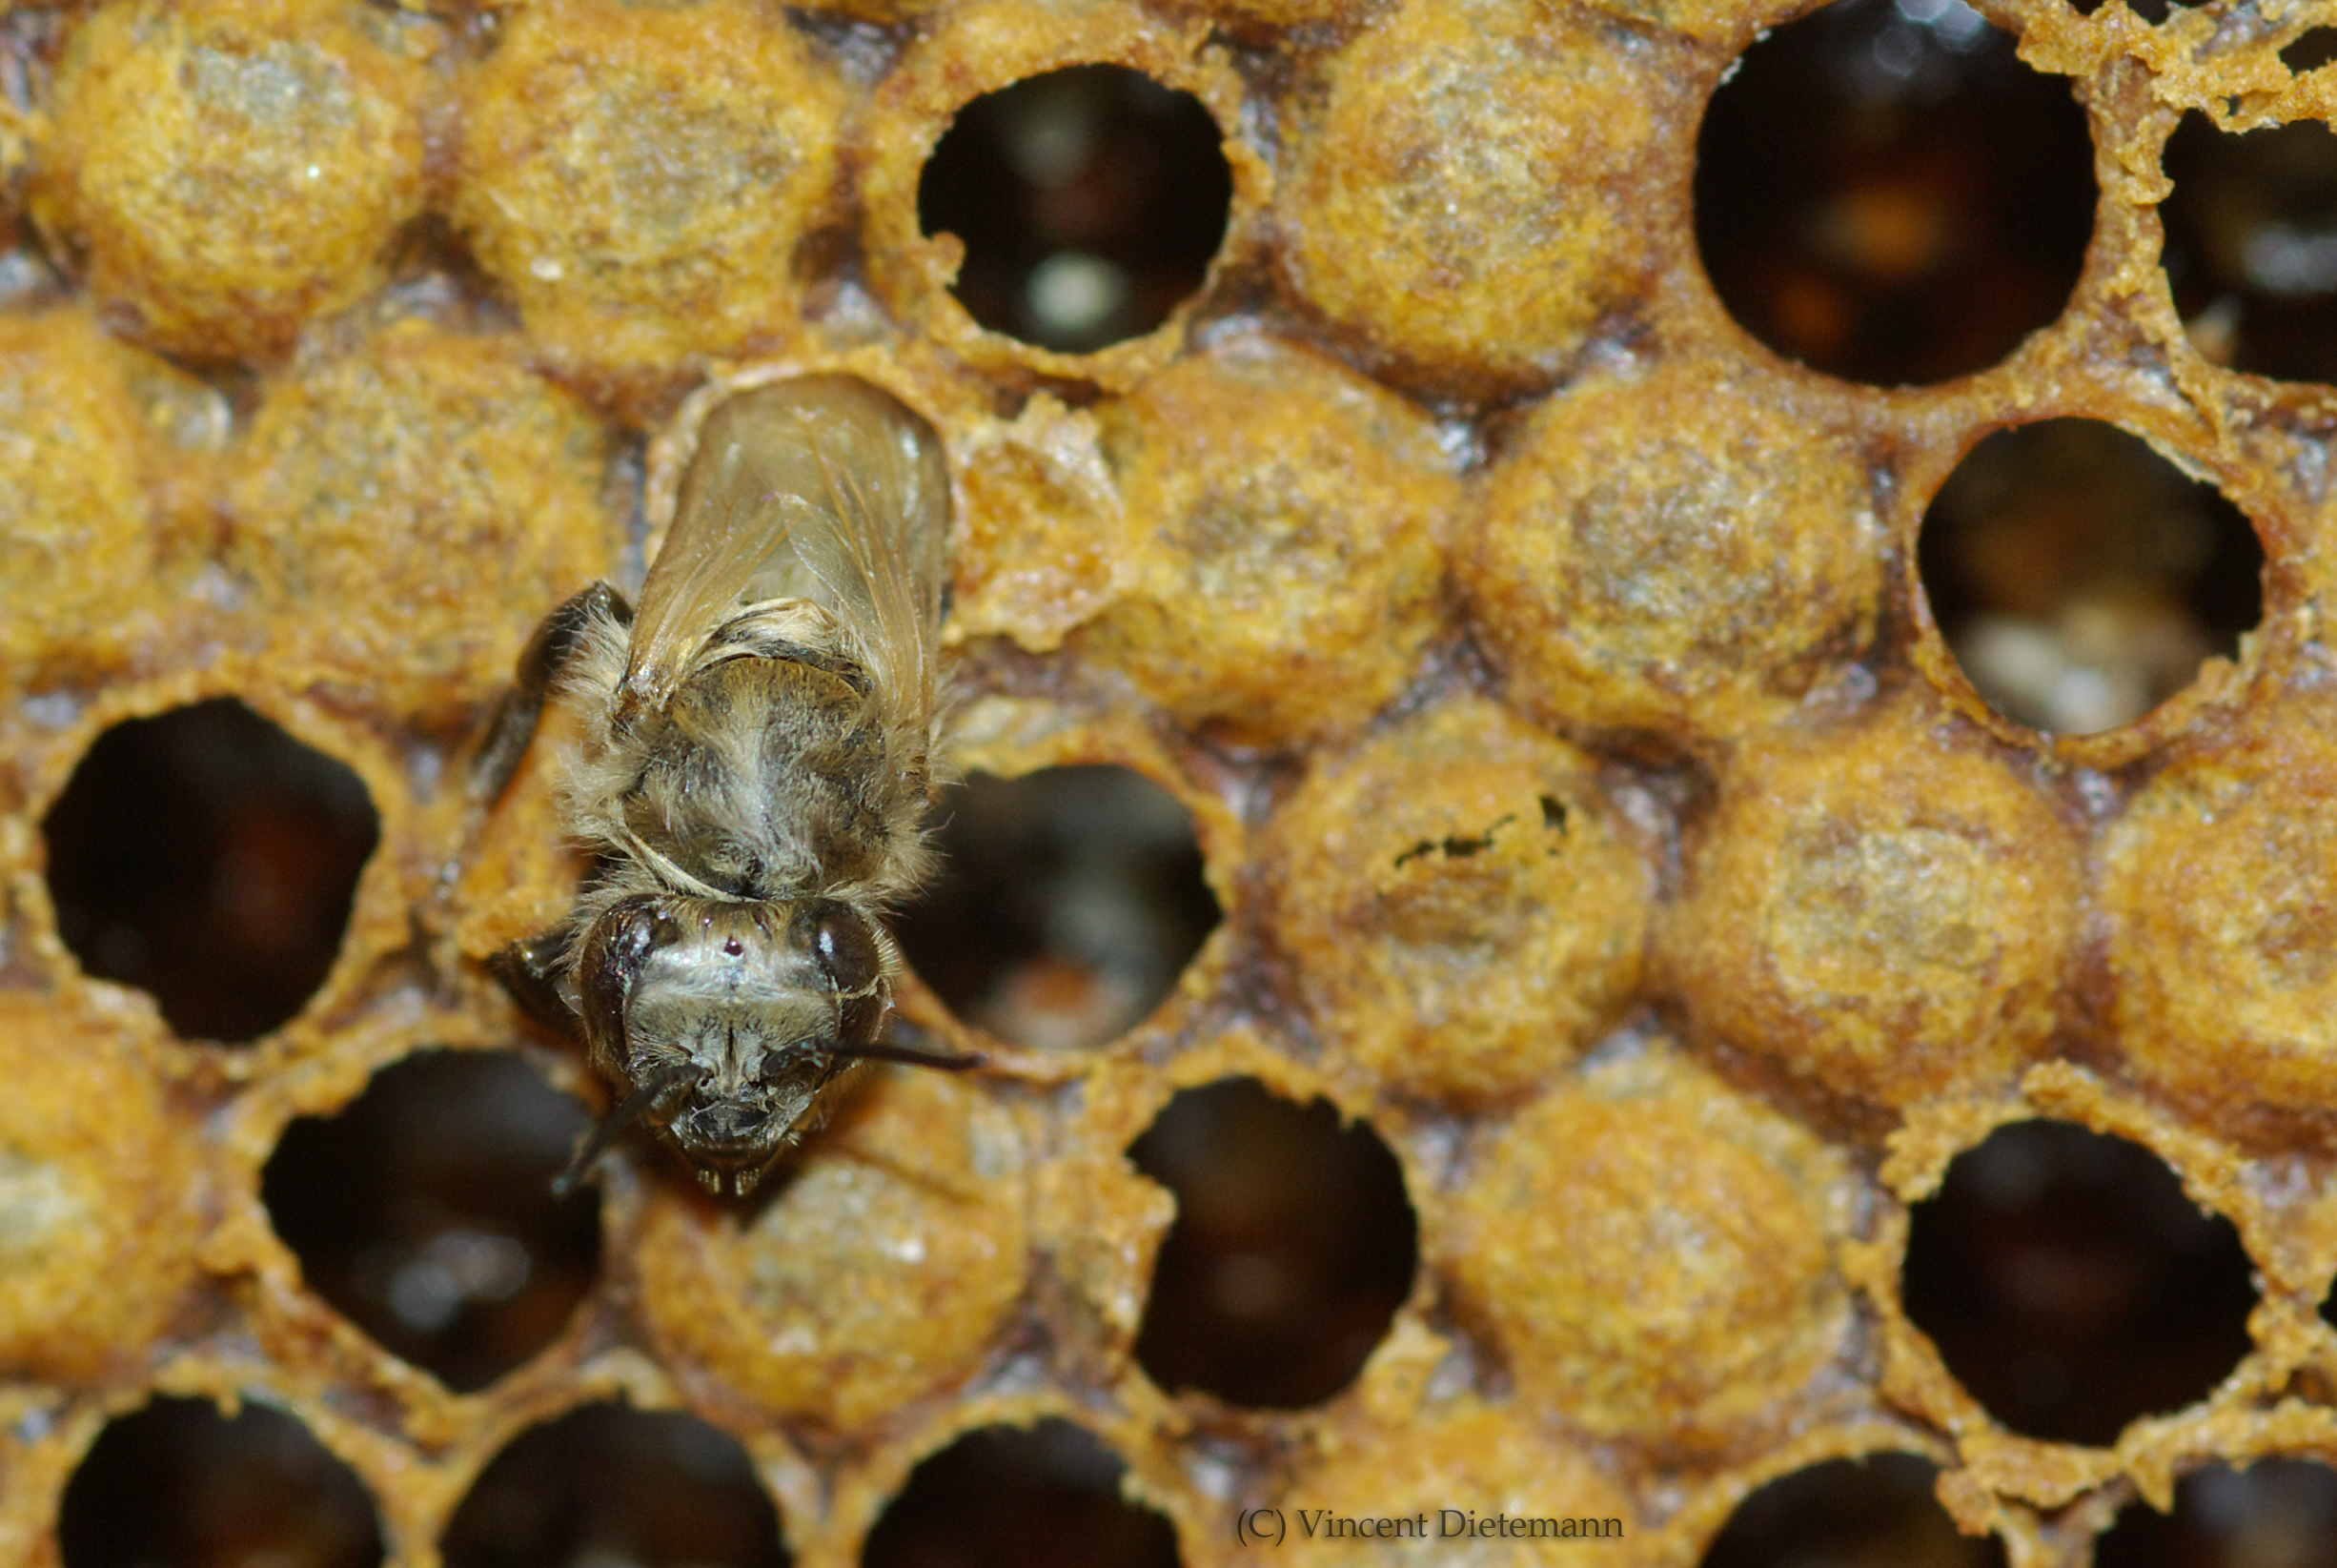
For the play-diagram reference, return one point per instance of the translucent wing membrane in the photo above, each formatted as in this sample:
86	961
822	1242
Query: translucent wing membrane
821	489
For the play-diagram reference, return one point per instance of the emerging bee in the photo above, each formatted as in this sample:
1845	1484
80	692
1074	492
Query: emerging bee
757	763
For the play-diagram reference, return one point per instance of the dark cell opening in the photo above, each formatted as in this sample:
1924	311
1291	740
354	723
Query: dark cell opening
611	1485
1068	903
423	1211
2153	11
209	858
2080	579
2251	245
1883	191
1293	1245
2275	1513
29	280
180	1483
1878	1511
1006	1498
2311	50
2071	1286
1090	201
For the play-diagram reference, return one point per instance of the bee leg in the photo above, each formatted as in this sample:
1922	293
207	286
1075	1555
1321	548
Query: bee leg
502	743
529	969
511	724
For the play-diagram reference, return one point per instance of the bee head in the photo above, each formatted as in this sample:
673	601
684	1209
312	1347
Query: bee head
730	1019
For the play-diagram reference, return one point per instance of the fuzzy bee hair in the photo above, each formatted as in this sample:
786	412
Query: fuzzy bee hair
759	754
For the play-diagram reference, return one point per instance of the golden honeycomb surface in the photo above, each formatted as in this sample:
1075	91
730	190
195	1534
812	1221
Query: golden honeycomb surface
1597	810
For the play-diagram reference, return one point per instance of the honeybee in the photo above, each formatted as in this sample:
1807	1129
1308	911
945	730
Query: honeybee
757	759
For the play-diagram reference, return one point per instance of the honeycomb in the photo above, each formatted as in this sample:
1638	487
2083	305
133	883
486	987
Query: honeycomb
1621	869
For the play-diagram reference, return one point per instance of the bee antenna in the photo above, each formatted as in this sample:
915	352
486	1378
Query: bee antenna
945	1061
612	1126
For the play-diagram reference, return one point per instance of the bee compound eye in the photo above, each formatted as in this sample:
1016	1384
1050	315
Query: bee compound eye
777	1060
644	930
847	948
861	1019
615	948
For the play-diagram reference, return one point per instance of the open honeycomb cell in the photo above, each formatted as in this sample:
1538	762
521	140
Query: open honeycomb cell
1116	203
2045	1199
973	1502
1888	193
1294	1242
183	1481
1582	796
207	858
2276	1507
1877	1508
423	1212
1068	903
968	52
2239	251
607	1482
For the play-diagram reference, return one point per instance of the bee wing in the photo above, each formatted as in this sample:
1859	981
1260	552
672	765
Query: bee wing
820	488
